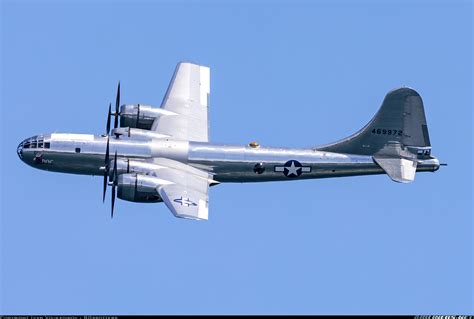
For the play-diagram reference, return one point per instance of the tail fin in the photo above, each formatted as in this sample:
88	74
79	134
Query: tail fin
400	119
397	133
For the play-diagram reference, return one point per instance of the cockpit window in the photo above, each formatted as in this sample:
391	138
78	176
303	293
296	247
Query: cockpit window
35	142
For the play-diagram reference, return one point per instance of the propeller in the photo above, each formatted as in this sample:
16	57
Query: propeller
113	178
116	114
107	130
114	184
117	105
106	171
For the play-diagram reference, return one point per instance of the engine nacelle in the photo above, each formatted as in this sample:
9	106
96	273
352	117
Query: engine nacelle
137	133
133	167
138	188
140	115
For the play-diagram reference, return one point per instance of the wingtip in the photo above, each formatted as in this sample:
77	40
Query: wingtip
192	63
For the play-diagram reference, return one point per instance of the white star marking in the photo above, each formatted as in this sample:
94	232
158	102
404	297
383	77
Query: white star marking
292	170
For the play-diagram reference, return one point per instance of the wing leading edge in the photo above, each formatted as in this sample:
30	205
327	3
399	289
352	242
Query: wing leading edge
187	98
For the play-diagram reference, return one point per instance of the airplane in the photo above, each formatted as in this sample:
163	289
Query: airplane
164	154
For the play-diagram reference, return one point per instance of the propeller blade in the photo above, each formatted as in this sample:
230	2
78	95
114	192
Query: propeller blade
113	202
106	172
108	119
105	185
107	155
115	167
114	184
117	105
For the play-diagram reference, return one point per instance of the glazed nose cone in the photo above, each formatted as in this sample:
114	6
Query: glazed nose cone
19	150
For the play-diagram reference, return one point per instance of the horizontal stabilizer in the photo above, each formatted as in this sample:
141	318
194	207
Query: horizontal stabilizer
398	169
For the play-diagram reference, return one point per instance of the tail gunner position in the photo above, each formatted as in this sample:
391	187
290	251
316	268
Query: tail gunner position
164	154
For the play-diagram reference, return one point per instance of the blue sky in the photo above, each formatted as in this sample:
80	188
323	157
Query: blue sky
293	74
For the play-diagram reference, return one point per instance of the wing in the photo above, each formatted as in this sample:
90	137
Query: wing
187	194
187	98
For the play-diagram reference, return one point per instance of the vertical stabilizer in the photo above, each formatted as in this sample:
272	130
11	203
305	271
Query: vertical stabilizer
400	119
396	137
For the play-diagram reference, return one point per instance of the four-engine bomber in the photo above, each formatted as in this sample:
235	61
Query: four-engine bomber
164	154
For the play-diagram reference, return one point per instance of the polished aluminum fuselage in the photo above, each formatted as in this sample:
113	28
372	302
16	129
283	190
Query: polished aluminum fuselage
85	154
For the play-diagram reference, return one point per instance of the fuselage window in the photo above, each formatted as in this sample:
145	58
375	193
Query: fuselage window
33	145
46	144
78	149
40	144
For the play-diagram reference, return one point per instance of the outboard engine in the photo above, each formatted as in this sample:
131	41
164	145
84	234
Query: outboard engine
140	115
